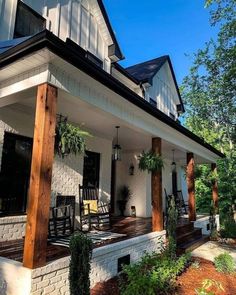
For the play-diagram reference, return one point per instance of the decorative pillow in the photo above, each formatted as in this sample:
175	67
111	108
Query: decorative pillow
93	206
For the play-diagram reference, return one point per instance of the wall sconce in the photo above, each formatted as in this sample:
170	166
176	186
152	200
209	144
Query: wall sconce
131	169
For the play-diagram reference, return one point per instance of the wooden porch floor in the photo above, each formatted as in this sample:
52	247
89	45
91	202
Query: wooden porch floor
130	226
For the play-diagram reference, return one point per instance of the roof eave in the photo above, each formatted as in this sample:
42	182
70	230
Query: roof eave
70	54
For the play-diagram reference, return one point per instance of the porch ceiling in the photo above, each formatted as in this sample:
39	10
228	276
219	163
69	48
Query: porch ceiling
94	120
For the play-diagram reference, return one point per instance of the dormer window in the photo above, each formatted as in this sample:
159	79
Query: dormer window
28	22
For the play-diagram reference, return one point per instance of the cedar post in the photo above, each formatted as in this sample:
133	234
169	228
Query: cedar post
215	195
40	178
157	212
191	186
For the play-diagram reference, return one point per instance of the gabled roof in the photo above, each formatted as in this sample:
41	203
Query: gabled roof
145	71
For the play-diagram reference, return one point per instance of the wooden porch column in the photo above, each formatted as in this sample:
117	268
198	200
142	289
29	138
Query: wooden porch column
215	195
191	187
40	178
157	212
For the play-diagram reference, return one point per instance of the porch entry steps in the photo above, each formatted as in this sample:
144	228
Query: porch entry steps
189	238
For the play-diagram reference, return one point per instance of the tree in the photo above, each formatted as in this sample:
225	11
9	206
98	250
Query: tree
209	92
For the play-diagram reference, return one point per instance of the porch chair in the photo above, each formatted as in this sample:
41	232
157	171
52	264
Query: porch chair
60	222
93	212
183	206
63	200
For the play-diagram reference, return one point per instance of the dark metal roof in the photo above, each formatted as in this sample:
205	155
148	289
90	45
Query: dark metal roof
5	45
75	55
145	71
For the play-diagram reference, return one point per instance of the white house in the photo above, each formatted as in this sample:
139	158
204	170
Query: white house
61	57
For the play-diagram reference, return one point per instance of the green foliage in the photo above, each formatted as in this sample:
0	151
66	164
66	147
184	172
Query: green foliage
209	92
171	227
195	265
81	253
151	162
224	263
125	193
228	228
209	284
154	274
69	139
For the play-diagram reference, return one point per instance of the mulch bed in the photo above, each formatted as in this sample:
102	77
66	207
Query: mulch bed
191	279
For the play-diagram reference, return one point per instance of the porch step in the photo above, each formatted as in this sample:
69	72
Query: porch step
189	236
190	246
184	228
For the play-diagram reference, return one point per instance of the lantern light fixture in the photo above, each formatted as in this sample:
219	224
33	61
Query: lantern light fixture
117	147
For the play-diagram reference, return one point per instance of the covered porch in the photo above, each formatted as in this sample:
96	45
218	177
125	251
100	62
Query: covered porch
28	109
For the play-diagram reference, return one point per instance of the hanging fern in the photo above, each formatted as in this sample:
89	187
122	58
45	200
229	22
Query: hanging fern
150	161
69	139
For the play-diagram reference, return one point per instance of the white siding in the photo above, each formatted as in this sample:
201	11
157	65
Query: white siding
163	91
66	19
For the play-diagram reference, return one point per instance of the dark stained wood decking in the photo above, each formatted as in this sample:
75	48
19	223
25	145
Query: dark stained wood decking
130	226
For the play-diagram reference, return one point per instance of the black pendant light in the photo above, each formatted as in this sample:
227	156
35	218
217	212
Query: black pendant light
117	147
173	164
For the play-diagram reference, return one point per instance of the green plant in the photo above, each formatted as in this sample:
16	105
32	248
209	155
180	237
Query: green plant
69	139
172	219
195	264
209	284
228	228
150	161
81	253
125	195
224	263
154	274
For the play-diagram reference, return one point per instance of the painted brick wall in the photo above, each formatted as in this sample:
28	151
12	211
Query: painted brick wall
12	228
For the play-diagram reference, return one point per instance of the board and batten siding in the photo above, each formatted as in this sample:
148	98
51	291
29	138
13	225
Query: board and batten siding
72	19
163	91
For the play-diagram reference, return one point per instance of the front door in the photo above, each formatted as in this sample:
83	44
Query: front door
91	169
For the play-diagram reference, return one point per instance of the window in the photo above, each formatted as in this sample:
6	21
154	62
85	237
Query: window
15	173
28	22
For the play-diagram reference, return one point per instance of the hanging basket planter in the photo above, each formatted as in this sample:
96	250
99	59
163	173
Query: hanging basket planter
150	161
69	139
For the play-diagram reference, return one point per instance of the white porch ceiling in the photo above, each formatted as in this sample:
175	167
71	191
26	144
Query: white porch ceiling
97	122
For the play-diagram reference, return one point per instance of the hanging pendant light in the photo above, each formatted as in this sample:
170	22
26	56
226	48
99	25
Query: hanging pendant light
117	147
173	164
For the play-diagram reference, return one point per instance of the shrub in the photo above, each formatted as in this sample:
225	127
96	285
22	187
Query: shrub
81	253
154	274
228	228
224	263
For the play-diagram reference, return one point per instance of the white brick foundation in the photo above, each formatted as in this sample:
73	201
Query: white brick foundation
53	278
12	228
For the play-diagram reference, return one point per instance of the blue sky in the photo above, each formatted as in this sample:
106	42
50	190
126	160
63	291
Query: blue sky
151	28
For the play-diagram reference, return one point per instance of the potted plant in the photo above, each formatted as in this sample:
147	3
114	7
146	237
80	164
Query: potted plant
150	161
69	139
125	195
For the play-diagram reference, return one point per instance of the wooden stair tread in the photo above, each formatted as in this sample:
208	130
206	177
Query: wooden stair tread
191	245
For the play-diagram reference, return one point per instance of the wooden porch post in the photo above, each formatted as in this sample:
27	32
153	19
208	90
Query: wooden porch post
40	178
191	186
157	212
215	195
